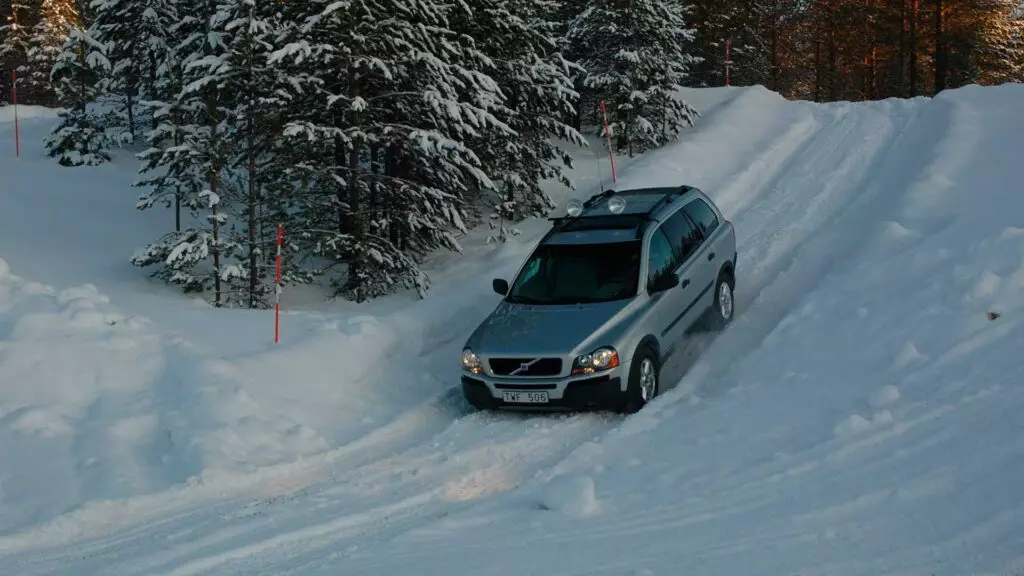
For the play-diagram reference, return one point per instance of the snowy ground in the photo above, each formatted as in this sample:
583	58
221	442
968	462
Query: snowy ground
862	416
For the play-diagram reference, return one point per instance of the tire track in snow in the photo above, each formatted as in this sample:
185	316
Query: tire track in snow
744	490
833	133
782	257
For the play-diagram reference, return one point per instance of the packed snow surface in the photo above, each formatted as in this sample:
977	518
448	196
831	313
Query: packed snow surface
863	415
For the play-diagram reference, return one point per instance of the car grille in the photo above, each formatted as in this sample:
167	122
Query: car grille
542	366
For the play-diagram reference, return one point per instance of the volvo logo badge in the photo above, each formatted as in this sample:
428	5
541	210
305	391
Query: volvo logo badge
524	367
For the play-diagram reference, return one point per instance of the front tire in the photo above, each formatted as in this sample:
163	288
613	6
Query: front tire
644	381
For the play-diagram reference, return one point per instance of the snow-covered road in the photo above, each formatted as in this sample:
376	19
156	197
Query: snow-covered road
861	416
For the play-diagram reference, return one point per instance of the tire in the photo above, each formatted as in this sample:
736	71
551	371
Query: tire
723	307
645	365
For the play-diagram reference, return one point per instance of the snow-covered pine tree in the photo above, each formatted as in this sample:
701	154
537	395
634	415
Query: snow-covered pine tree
221	113
56	19
196	256
169	119
386	186
636	62
740	23
133	33
516	43
251	30
564	12
15	34
79	138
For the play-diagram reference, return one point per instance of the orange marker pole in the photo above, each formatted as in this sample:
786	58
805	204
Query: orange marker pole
277	286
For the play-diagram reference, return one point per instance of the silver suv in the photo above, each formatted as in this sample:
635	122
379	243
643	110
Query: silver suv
605	299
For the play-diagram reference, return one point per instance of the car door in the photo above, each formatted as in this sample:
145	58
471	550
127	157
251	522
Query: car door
685	240
710	254
661	261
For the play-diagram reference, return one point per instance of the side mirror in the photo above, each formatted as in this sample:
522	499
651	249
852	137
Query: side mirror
664	282
500	286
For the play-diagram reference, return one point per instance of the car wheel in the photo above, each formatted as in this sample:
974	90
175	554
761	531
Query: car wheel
724	304
644	381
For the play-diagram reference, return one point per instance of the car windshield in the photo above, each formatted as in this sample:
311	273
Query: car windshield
578	273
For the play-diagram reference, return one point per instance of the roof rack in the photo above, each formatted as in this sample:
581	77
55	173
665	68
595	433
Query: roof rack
562	221
668	198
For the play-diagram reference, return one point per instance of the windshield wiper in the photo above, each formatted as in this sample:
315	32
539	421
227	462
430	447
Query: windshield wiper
524	300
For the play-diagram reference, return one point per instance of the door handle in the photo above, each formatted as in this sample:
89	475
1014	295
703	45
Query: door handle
711	256
684	283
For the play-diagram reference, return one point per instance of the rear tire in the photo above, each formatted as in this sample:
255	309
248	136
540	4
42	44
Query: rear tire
724	305
644	381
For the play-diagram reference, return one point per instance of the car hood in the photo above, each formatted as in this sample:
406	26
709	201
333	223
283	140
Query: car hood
527	329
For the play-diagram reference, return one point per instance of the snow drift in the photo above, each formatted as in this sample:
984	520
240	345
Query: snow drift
862	415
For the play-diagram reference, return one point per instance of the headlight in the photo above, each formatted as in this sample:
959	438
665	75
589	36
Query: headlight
597	361
471	362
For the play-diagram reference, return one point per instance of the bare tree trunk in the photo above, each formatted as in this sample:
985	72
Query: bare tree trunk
833	62
817	68
913	47
941	64
774	31
901	75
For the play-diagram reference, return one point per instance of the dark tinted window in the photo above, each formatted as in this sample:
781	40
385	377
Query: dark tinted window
662	259
577	273
702	215
684	237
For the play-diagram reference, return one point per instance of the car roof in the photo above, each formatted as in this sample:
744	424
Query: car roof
597	224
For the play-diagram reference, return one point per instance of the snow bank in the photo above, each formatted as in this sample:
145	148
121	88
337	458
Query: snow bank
26	113
98	405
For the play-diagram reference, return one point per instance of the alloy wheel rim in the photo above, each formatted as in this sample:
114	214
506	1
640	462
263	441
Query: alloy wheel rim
725	301
648	380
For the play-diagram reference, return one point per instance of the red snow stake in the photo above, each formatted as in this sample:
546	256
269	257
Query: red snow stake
728	63
608	136
14	102
277	286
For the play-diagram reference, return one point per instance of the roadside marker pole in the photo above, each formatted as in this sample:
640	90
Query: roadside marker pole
728	63
14	102
608	136
277	287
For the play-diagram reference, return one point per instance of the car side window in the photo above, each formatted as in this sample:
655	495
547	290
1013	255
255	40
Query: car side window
703	215
684	237
661	259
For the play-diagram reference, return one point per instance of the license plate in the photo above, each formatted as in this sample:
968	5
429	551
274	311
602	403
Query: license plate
526	397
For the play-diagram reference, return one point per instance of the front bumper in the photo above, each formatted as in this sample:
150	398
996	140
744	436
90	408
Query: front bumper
597	392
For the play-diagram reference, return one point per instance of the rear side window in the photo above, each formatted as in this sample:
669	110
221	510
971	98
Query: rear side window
685	239
703	215
661	259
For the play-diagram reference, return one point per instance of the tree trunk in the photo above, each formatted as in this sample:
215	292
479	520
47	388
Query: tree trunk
941	56
901	76
833	62
817	68
913	47
216	243
253	222
253	200
130	104
774	72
